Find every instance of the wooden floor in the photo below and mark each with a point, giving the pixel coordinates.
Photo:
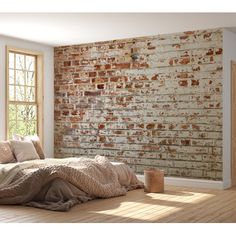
(176, 204)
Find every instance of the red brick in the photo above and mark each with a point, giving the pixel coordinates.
(183, 83)
(210, 52)
(57, 113)
(65, 113)
(101, 126)
(92, 74)
(100, 80)
(121, 66)
(150, 126)
(184, 37)
(67, 63)
(100, 86)
(92, 93)
(102, 139)
(185, 142)
(219, 51)
(101, 73)
(81, 81)
(185, 61)
(194, 82)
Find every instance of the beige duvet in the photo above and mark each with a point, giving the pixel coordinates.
(59, 184)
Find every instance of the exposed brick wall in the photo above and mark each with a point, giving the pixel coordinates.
(150, 101)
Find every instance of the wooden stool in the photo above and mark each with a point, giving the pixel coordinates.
(154, 180)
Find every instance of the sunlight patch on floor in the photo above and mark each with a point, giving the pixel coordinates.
(140, 213)
(158, 205)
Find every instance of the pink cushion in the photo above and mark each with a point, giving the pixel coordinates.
(6, 154)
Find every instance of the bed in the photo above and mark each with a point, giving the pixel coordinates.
(59, 184)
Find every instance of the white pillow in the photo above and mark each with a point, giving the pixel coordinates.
(24, 150)
(35, 140)
(17, 137)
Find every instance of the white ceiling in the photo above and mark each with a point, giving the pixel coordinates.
(66, 28)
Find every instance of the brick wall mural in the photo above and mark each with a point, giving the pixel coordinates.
(149, 101)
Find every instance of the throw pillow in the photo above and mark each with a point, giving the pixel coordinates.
(24, 150)
(6, 154)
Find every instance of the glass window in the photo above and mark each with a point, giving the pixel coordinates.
(22, 91)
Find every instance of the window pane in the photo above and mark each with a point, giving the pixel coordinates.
(11, 60)
(26, 112)
(21, 128)
(31, 127)
(32, 114)
(30, 94)
(20, 62)
(12, 128)
(12, 112)
(20, 94)
(30, 79)
(20, 80)
(11, 77)
(11, 93)
(26, 128)
(30, 63)
(21, 112)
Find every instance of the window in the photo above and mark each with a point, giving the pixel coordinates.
(24, 93)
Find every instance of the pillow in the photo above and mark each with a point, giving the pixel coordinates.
(17, 137)
(24, 150)
(35, 140)
(6, 154)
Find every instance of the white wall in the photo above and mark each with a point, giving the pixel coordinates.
(229, 54)
(48, 87)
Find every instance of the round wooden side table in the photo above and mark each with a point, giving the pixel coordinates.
(153, 180)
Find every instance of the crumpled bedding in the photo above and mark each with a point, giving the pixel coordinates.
(59, 184)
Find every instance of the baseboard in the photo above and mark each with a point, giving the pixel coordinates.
(198, 183)
(227, 184)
